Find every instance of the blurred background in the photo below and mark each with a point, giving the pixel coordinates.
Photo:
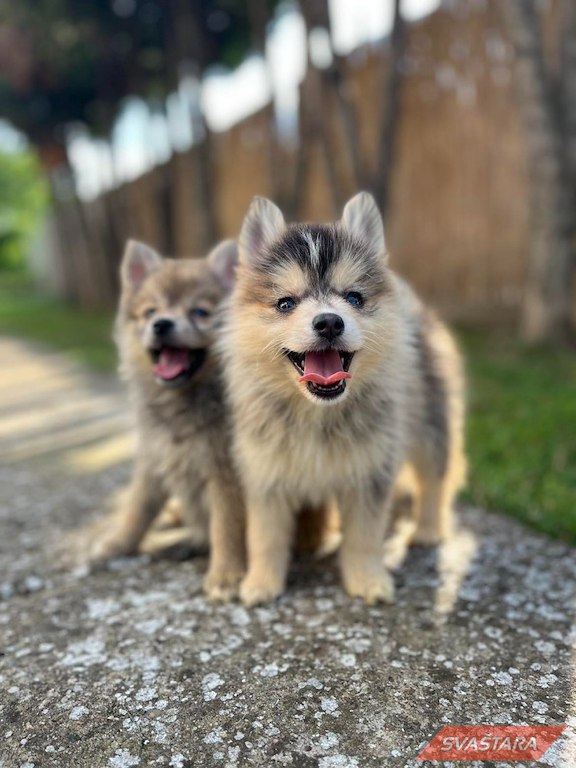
(160, 119)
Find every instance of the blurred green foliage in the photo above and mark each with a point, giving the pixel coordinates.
(23, 200)
(78, 61)
(25, 313)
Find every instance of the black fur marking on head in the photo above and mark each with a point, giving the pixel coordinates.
(295, 246)
(316, 248)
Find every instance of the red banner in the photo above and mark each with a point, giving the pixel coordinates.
(491, 742)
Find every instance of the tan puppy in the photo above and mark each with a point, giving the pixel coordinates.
(165, 328)
(337, 376)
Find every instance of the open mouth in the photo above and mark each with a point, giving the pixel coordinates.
(174, 365)
(324, 372)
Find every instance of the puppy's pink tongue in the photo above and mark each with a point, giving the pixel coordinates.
(172, 362)
(323, 368)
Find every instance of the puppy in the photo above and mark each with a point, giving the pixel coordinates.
(165, 329)
(337, 376)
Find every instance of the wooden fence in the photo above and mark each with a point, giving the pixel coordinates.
(458, 223)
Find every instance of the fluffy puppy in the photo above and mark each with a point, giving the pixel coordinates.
(165, 328)
(337, 376)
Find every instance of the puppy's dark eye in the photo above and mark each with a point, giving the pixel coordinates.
(149, 312)
(355, 299)
(286, 304)
(199, 312)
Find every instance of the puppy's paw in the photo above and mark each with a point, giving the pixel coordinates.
(255, 590)
(396, 545)
(107, 548)
(394, 554)
(373, 585)
(174, 543)
(329, 545)
(222, 585)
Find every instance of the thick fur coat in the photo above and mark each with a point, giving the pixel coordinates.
(165, 328)
(337, 377)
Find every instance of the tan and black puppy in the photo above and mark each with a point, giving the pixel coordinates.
(165, 329)
(337, 376)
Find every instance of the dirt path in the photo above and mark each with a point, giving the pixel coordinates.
(132, 667)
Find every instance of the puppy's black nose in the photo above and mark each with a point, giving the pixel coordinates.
(328, 325)
(162, 326)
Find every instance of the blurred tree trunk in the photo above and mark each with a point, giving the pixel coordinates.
(333, 90)
(65, 268)
(568, 69)
(546, 312)
(568, 85)
(190, 55)
(165, 189)
(323, 95)
(259, 17)
(328, 95)
(204, 180)
(81, 272)
(165, 193)
(117, 228)
(316, 15)
(307, 129)
(391, 104)
(308, 135)
(82, 267)
(84, 239)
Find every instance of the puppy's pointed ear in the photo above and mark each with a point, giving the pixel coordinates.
(138, 262)
(362, 219)
(222, 261)
(262, 226)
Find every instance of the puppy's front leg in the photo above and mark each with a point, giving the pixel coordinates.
(227, 538)
(139, 504)
(365, 514)
(270, 521)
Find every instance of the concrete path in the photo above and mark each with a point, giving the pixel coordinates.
(132, 667)
(48, 407)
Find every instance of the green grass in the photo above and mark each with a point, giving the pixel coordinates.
(24, 313)
(522, 432)
(522, 414)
